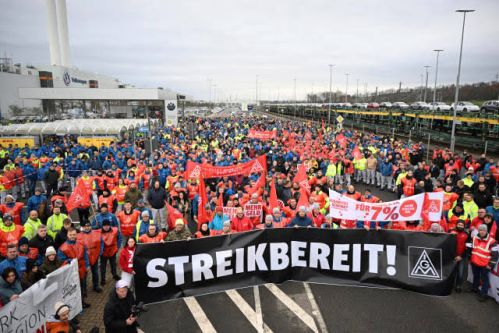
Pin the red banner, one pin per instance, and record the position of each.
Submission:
(196, 170)
(262, 135)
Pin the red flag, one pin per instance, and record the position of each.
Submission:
(302, 178)
(260, 183)
(356, 153)
(79, 198)
(273, 196)
(303, 201)
(203, 200)
(173, 215)
(220, 200)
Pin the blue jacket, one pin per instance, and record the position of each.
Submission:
(141, 228)
(299, 221)
(386, 169)
(494, 212)
(34, 202)
(218, 222)
(19, 264)
(99, 218)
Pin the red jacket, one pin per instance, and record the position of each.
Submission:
(92, 241)
(128, 222)
(317, 220)
(110, 240)
(145, 238)
(461, 238)
(126, 259)
(14, 211)
(243, 224)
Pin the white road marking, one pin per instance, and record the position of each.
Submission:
(295, 308)
(258, 309)
(315, 308)
(199, 315)
(247, 311)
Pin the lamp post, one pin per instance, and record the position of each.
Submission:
(426, 84)
(294, 82)
(346, 90)
(436, 76)
(330, 92)
(256, 93)
(456, 97)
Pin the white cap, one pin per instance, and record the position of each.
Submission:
(121, 284)
(50, 250)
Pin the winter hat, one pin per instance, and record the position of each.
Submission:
(106, 222)
(23, 241)
(50, 250)
(59, 307)
(179, 222)
(30, 263)
(219, 209)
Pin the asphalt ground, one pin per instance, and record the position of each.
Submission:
(338, 309)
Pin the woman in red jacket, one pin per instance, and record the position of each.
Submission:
(126, 260)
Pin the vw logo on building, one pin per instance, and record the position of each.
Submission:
(66, 78)
(171, 106)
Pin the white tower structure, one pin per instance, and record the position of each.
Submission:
(57, 21)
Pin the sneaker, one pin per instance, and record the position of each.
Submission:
(459, 289)
(482, 297)
(85, 305)
(98, 290)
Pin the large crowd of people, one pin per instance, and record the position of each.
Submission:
(140, 197)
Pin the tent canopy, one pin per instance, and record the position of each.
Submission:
(88, 127)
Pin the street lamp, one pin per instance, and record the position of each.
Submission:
(294, 81)
(436, 76)
(256, 93)
(456, 97)
(426, 84)
(346, 90)
(330, 92)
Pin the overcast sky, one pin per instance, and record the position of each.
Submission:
(182, 44)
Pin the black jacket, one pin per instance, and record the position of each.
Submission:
(51, 177)
(157, 197)
(41, 243)
(117, 311)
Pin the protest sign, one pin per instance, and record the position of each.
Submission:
(417, 261)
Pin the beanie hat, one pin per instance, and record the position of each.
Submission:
(23, 241)
(179, 222)
(50, 250)
(59, 306)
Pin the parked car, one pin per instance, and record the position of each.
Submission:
(386, 105)
(400, 106)
(490, 106)
(437, 106)
(347, 105)
(373, 106)
(418, 105)
(465, 107)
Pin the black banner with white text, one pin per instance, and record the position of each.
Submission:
(421, 262)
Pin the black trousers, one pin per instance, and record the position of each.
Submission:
(103, 266)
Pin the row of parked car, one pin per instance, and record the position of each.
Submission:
(488, 106)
